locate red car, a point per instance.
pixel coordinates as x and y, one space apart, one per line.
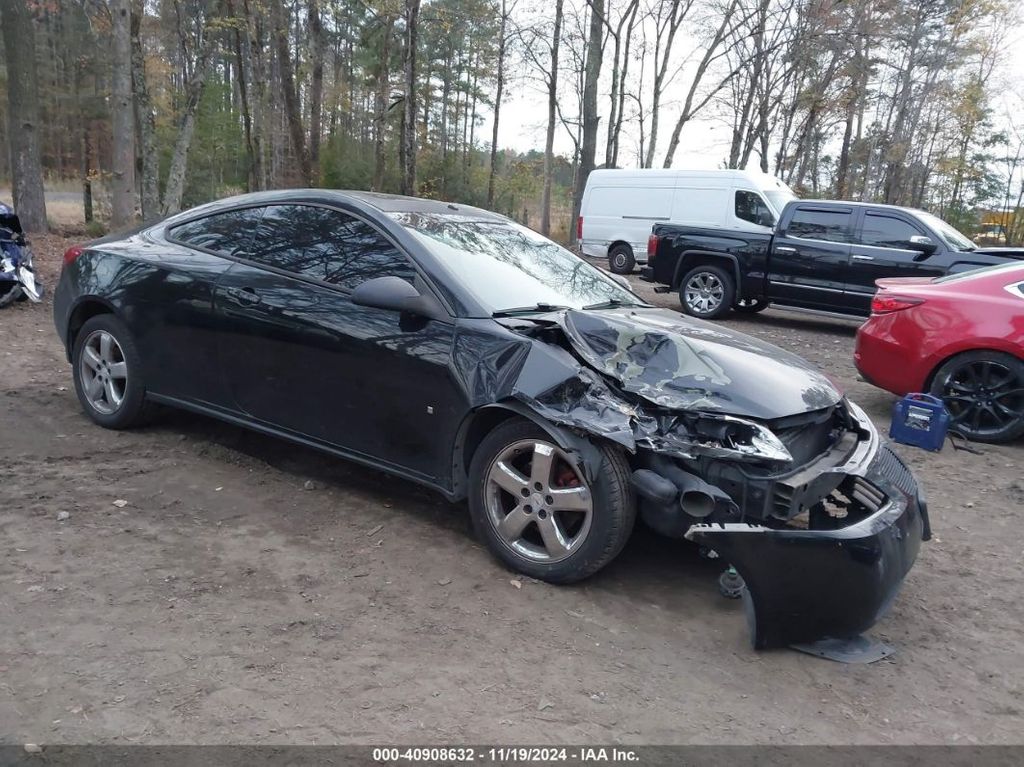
960 337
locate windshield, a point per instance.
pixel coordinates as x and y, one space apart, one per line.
507 266
778 200
953 239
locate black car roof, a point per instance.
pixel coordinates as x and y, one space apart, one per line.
385 203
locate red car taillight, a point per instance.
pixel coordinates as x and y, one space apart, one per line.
884 303
579 228
72 253
652 249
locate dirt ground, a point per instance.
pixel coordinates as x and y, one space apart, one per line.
217 586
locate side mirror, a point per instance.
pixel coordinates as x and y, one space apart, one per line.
395 294
764 218
924 245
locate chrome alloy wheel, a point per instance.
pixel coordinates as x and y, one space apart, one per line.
104 372
704 293
539 504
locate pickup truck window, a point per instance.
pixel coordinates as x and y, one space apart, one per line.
887 232
831 225
750 206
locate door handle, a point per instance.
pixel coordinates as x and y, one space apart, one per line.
784 249
244 295
859 257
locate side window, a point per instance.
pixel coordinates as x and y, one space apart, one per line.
750 206
819 224
327 245
887 232
228 233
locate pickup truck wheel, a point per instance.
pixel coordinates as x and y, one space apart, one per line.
707 292
750 305
620 259
984 394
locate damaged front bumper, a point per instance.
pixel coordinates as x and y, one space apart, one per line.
835 581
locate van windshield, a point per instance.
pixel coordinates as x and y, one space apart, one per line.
777 199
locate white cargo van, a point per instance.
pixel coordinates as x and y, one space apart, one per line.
620 207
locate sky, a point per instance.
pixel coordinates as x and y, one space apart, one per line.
705 141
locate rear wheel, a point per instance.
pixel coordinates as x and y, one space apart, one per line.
984 393
750 305
107 371
538 512
621 260
707 292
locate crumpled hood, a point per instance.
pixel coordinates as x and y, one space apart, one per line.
686 364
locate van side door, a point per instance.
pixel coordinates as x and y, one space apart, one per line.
809 256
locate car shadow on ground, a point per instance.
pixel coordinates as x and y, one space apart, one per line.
649 564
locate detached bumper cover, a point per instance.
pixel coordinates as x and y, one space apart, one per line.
806 585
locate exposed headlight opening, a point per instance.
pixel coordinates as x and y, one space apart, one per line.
729 436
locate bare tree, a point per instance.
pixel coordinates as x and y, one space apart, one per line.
549 140
407 148
122 210
589 115
23 114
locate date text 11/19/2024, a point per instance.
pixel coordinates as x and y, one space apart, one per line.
503 754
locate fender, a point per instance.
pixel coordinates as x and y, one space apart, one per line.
702 254
588 458
66 324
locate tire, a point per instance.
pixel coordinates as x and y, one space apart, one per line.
750 305
9 293
984 393
621 260
707 292
121 367
594 537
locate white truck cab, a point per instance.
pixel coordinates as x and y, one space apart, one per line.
620 207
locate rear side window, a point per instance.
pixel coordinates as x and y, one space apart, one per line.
887 232
750 206
227 233
327 245
820 224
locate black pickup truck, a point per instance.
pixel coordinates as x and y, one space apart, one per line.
823 255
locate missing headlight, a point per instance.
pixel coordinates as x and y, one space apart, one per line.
728 436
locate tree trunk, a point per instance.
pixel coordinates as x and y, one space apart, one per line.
291 98
144 120
592 74
408 145
316 89
254 41
179 157
23 114
122 211
549 142
381 105
500 87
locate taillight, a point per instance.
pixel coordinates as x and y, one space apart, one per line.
652 248
579 228
72 253
885 303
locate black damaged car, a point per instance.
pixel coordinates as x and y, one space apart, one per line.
458 349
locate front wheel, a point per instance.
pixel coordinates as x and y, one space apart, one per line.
538 512
621 260
707 292
984 394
